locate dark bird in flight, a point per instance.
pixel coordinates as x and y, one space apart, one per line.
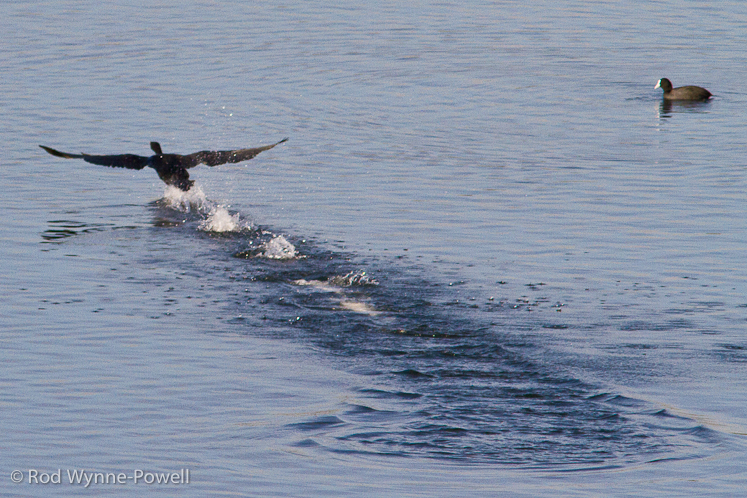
171 168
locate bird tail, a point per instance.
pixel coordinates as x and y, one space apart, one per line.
61 154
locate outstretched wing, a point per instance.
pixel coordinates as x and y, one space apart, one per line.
214 158
129 161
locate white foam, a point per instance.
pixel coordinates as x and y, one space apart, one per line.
358 307
335 286
192 200
318 284
217 217
278 248
220 220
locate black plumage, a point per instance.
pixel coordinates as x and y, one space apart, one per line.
171 168
689 92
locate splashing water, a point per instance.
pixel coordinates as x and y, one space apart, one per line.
336 286
217 218
220 220
192 200
353 278
335 283
278 248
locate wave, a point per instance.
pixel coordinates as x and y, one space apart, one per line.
477 386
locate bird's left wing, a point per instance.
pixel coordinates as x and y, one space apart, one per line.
214 158
129 161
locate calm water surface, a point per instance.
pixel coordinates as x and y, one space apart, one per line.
489 261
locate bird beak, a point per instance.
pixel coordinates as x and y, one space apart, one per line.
658 85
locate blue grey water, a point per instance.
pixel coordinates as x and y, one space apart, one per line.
488 262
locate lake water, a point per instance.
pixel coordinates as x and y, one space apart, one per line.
488 262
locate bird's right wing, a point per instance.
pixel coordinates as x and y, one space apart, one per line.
129 161
216 157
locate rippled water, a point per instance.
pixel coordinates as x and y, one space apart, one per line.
488 261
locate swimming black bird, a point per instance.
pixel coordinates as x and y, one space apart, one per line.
682 93
171 168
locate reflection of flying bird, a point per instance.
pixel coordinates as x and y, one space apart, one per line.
171 168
